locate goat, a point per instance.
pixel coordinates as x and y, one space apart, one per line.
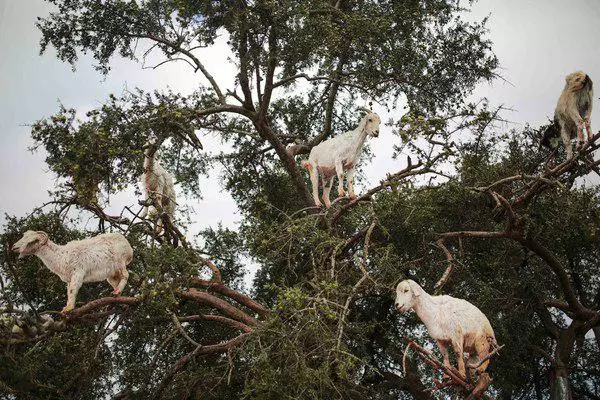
337 154
449 321
158 184
572 113
89 260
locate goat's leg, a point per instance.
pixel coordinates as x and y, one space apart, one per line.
458 349
123 274
579 123
588 128
482 347
443 346
326 190
160 210
113 280
339 170
159 226
566 138
350 181
314 180
146 206
73 287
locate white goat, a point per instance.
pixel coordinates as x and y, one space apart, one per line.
449 321
337 154
89 260
158 184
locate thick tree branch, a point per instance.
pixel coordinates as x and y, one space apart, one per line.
232 294
244 74
287 160
98 303
219 304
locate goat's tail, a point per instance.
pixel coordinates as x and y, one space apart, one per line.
306 164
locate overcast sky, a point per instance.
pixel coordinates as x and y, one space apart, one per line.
537 42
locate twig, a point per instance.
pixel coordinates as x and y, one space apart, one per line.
484 359
440 244
182 331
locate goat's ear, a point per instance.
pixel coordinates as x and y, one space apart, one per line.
414 288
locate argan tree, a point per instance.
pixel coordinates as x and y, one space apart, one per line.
477 212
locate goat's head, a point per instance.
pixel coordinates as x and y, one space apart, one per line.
371 122
30 243
578 80
406 293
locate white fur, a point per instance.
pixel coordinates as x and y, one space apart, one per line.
449 321
89 260
574 109
158 184
337 154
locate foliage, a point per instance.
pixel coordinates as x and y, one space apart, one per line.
522 233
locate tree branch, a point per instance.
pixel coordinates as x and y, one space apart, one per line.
219 304
199 65
232 294
217 318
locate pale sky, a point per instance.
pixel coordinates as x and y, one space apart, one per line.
537 43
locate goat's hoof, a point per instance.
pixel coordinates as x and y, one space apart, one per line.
341 193
116 293
352 196
66 310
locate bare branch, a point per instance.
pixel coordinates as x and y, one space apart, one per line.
220 304
182 331
200 350
199 66
217 318
449 259
232 294
410 170
98 303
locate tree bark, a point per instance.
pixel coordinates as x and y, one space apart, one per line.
560 388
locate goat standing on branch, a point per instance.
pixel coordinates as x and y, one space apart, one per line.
158 185
93 259
337 154
450 321
572 113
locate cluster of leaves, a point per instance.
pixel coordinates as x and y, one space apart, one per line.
108 146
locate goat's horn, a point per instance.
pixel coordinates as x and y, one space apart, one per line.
365 109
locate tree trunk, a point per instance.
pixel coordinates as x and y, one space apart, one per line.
287 161
560 388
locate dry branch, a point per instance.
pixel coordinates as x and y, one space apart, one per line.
217 318
391 180
474 392
442 281
200 350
